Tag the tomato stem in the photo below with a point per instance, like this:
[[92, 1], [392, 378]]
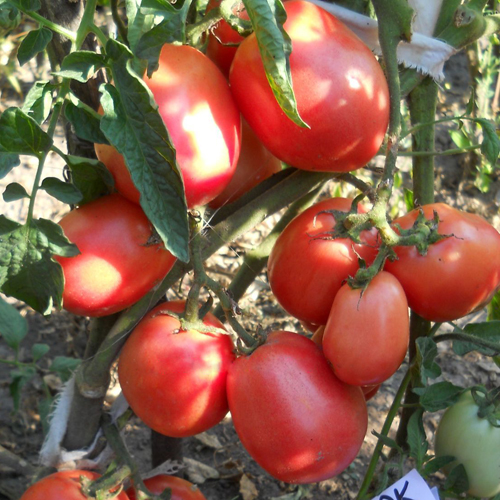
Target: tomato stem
[[393, 411], [191, 312], [128, 467]]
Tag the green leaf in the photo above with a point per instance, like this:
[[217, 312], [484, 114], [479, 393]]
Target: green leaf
[[408, 197], [134, 127], [438, 396], [13, 326], [489, 331], [64, 366], [86, 125], [435, 464], [21, 134], [138, 22], [20, 377], [387, 441], [494, 308], [35, 41], [457, 480], [267, 17], [38, 351], [426, 353], [27, 270], [170, 29], [460, 139], [90, 176], [417, 440], [62, 191], [150, 44], [7, 162], [38, 102], [490, 147], [81, 65], [14, 191]]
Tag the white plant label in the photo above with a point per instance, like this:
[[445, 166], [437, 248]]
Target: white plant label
[[410, 487]]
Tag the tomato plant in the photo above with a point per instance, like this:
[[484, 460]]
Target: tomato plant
[[120, 259], [64, 485], [474, 442], [203, 122], [297, 418], [344, 99], [180, 488], [255, 164], [175, 379], [367, 333], [458, 274], [283, 399], [306, 269]]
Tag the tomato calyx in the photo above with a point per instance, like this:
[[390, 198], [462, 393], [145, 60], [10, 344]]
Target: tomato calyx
[[488, 403], [348, 225], [107, 487], [422, 234]]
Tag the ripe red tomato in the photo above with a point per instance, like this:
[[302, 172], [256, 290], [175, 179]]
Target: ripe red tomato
[[223, 41], [305, 272], [63, 485], [255, 164], [175, 380], [297, 420], [368, 390], [367, 335], [117, 264], [459, 274], [181, 489], [339, 86], [202, 119]]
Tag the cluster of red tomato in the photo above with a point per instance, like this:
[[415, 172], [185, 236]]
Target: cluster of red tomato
[[301, 420], [67, 485]]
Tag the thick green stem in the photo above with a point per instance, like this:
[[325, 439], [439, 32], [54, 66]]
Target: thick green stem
[[394, 25], [292, 185], [86, 23], [191, 313], [422, 105], [98, 331]]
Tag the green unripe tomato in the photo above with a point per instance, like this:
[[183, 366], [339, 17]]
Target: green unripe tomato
[[474, 442]]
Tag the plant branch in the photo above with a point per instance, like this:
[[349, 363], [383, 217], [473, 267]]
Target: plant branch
[[70, 35], [393, 411], [122, 29]]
